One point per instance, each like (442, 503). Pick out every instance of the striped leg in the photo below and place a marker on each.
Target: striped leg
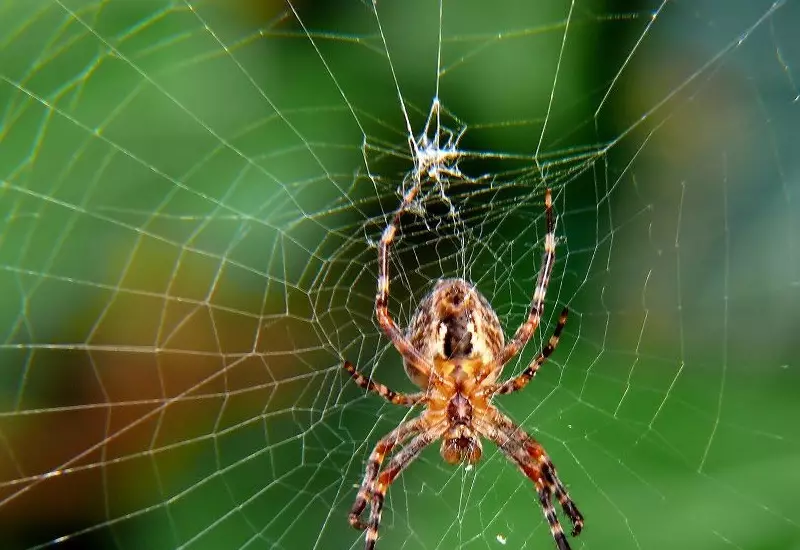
(533, 461)
(387, 393)
(401, 343)
(516, 384)
(550, 514)
(396, 465)
(572, 512)
(534, 450)
(384, 446)
(526, 330)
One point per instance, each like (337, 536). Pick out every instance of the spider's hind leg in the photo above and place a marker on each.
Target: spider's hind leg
(519, 382)
(526, 329)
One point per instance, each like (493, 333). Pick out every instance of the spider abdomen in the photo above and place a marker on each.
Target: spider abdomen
(457, 340)
(455, 327)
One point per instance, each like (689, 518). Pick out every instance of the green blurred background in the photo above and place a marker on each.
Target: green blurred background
(190, 196)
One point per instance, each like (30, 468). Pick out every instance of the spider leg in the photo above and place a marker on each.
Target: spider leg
(519, 382)
(384, 391)
(516, 452)
(550, 514)
(536, 452)
(562, 495)
(397, 464)
(382, 448)
(525, 331)
(533, 461)
(399, 340)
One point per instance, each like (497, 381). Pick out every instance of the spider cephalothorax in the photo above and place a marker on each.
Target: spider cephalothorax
(454, 350)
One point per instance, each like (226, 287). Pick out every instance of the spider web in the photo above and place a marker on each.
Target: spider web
(190, 202)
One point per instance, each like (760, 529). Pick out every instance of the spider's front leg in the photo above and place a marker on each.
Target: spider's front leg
(552, 479)
(531, 452)
(397, 464)
(382, 448)
(533, 461)
(545, 500)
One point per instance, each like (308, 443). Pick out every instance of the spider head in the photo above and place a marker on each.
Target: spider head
(459, 444)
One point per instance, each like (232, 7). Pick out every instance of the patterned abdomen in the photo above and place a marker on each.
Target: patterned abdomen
(455, 327)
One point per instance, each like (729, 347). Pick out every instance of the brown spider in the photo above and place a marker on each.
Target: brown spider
(454, 350)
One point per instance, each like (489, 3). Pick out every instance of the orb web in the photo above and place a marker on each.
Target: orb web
(191, 195)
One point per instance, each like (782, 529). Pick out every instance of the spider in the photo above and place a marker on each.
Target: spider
(454, 350)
